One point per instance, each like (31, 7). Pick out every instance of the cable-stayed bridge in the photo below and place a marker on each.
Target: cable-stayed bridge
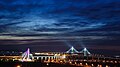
(27, 56)
(71, 56)
(84, 51)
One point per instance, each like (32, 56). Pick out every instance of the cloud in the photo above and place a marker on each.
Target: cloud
(51, 16)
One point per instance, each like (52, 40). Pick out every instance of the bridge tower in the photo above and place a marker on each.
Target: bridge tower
(26, 56)
(72, 50)
(85, 52)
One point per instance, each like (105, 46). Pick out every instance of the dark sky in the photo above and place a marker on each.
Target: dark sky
(56, 25)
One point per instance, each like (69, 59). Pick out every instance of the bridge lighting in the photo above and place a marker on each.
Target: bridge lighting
(72, 50)
(85, 49)
(26, 56)
(37, 53)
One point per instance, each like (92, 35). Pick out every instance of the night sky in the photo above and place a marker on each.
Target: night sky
(56, 25)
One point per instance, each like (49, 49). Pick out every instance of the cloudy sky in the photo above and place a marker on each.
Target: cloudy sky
(56, 25)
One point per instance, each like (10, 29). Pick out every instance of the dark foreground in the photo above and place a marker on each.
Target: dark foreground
(40, 64)
(33, 64)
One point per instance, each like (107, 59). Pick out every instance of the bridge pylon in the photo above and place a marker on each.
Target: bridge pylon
(85, 52)
(26, 56)
(72, 50)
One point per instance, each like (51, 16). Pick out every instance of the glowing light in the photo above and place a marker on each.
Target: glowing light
(37, 53)
(18, 66)
(115, 61)
(80, 63)
(107, 66)
(72, 50)
(86, 64)
(61, 61)
(75, 63)
(64, 56)
(100, 66)
(92, 65)
(85, 49)
(47, 64)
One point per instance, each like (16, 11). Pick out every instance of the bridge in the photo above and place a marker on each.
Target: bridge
(73, 50)
(72, 56)
(27, 56)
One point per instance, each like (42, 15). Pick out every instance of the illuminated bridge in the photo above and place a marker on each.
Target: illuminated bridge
(71, 56)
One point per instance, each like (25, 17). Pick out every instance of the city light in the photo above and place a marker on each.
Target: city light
(65, 58)
(81, 64)
(47, 64)
(92, 64)
(18, 66)
(107, 66)
(37, 53)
